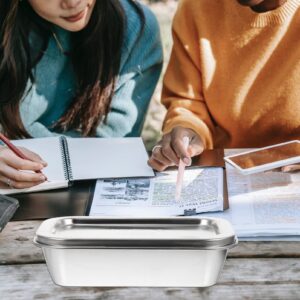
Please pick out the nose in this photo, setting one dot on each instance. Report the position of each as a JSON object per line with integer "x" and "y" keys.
{"x": 67, "y": 4}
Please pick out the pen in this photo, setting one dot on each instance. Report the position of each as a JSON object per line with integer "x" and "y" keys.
{"x": 180, "y": 173}
{"x": 15, "y": 150}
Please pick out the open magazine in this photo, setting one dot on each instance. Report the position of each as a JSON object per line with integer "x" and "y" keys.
{"x": 203, "y": 191}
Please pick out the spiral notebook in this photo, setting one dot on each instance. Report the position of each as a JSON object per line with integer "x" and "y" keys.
{"x": 86, "y": 158}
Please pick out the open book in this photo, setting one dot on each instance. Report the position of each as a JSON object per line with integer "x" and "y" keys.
{"x": 86, "y": 158}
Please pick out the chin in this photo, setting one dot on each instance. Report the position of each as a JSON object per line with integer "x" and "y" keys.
{"x": 74, "y": 27}
{"x": 250, "y": 2}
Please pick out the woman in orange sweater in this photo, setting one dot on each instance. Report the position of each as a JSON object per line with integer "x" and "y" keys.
{"x": 233, "y": 80}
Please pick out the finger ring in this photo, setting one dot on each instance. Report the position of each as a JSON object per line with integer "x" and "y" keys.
{"x": 156, "y": 147}
{"x": 8, "y": 182}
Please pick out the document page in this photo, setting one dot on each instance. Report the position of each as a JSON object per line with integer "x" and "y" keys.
{"x": 263, "y": 204}
{"x": 202, "y": 191}
{"x": 108, "y": 158}
{"x": 49, "y": 150}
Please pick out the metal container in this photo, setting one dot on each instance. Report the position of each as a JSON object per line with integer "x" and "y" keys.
{"x": 153, "y": 252}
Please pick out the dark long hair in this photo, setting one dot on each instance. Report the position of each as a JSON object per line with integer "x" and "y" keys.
{"x": 95, "y": 55}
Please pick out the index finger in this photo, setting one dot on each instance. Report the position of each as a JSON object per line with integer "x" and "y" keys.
{"x": 18, "y": 163}
{"x": 33, "y": 156}
{"x": 291, "y": 168}
{"x": 178, "y": 144}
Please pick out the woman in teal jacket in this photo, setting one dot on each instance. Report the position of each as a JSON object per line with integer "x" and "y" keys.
{"x": 75, "y": 68}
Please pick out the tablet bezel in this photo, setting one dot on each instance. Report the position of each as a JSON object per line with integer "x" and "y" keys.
{"x": 267, "y": 166}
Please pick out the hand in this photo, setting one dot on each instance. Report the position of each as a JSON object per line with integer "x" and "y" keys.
{"x": 170, "y": 149}
{"x": 13, "y": 169}
{"x": 291, "y": 168}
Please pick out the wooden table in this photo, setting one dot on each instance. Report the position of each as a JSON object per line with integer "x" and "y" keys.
{"x": 253, "y": 270}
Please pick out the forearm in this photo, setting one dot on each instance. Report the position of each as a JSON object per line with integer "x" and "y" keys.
{"x": 182, "y": 89}
{"x": 191, "y": 114}
{"x": 130, "y": 104}
{"x": 38, "y": 130}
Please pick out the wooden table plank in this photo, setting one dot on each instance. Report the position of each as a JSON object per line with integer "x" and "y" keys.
{"x": 236, "y": 270}
{"x": 255, "y": 279}
{"x": 16, "y": 246}
{"x": 238, "y": 292}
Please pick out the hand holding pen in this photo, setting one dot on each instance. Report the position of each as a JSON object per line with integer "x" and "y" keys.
{"x": 171, "y": 149}
{"x": 14, "y": 161}
{"x": 181, "y": 168}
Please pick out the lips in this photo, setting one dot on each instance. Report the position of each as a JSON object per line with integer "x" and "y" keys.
{"x": 77, "y": 17}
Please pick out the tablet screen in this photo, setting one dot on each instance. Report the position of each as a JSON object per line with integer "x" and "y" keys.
{"x": 266, "y": 156}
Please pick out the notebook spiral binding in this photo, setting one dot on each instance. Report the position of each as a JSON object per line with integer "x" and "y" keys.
{"x": 66, "y": 158}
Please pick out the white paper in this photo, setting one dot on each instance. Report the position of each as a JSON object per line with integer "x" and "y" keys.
{"x": 202, "y": 191}
{"x": 49, "y": 150}
{"x": 265, "y": 204}
{"x": 108, "y": 158}
{"x": 49, "y": 185}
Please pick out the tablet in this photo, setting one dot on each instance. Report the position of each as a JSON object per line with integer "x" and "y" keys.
{"x": 266, "y": 158}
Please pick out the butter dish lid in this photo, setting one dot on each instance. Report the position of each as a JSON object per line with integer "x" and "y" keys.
{"x": 116, "y": 232}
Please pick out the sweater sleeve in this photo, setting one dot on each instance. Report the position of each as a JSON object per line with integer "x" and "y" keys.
{"x": 182, "y": 90}
{"x": 140, "y": 69}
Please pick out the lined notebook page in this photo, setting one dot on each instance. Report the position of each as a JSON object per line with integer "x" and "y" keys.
{"x": 108, "y": 158}
{"x": 49, "y": 149}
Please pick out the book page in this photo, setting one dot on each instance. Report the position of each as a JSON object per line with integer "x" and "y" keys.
{"x": 263, "y": 204}
{"x": 49, "y": 150}
{"x": 108, "y": 158}
{"x": 202, "y": 191}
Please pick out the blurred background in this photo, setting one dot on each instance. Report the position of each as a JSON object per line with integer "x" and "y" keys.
{"x": 164, "y": 11}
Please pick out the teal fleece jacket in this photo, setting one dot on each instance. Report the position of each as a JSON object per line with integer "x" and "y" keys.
{"x": 54, "y": 85}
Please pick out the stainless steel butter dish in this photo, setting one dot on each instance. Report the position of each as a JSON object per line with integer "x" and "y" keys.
{"x": 153, "y": 252}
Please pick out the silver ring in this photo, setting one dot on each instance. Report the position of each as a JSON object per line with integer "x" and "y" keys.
{"x": 156, "y": 147}
{"x": 8, "y": 182}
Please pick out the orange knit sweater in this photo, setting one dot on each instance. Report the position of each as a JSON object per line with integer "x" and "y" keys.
{"x": 234, "y": 75}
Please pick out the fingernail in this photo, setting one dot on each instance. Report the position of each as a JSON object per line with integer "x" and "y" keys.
{"x": 286, "y": 169}
{"x": 42, "y": 177}
{"x": 187, "y": 161}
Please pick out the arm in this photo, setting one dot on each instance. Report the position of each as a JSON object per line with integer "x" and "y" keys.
{"x": 140, "y": 69}
{"x": 130, "y": 103}
{"x": 37, "y": 130}
{"x": 182, "y": 92}
{"x": 187, "y": 114}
